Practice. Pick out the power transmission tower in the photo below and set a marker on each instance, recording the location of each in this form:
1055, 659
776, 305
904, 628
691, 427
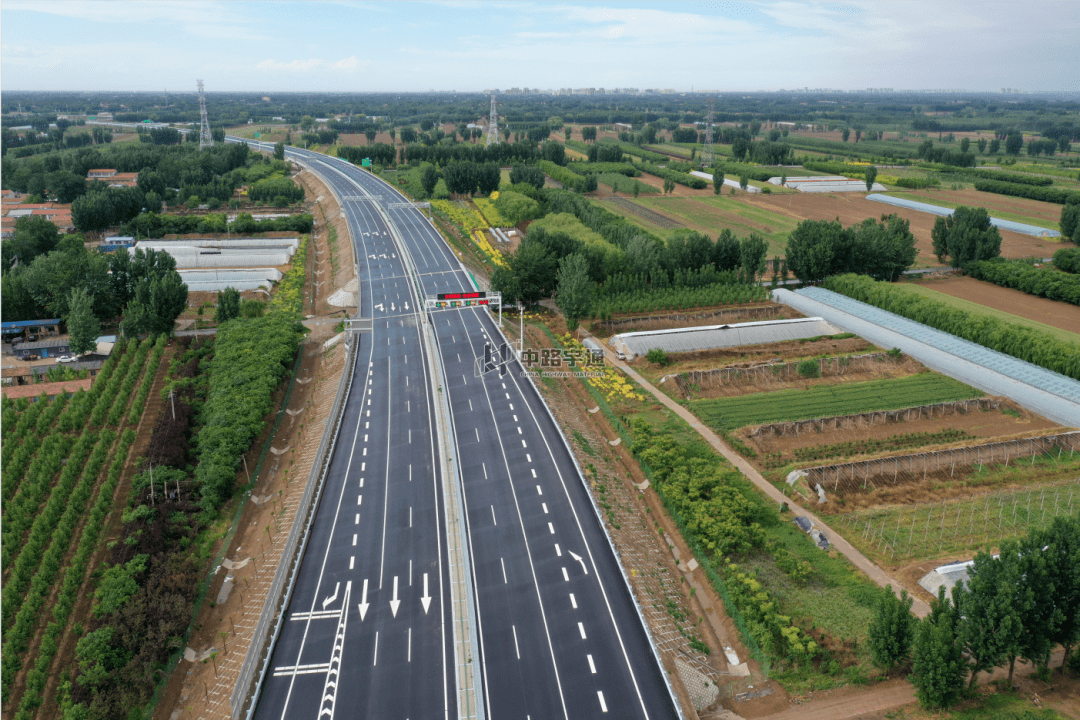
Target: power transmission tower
493, 125
205, 138
707, 157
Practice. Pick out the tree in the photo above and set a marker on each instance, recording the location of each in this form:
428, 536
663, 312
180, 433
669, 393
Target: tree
527, 174
752, 253
991, 617
306, 123
744, 181
279, 151
429, 177
892, 629
726, 251
575, 291
370, 135
995, 146
228, 306
1014, 141
938, 668
813, 249
882, 250
966, 236
717, 179
642, 255
981, 144
965, 143
1036, 597
1069, 222
588, 133
566, 132
1062, 552
846, 134
531, 274
83, 325
33, 236
871, 176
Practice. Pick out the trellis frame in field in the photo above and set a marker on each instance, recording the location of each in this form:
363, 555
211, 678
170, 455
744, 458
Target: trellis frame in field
924, 530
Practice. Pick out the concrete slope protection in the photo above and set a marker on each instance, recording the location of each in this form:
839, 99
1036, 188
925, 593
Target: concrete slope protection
559, 633
368, 631
1047, 393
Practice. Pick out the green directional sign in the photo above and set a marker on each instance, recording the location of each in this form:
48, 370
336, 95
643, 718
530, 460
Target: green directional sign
366, 162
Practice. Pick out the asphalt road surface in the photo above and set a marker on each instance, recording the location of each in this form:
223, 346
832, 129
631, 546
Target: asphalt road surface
559, 634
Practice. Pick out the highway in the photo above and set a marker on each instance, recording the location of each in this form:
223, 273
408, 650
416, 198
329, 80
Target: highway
558, 631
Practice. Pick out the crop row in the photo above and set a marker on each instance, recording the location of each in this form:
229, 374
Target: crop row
17, 424
691, 181
1034, 346
148, 381
569, 179
490, 213
868, 445
1018, 275
116, 413
677, 299
463, 217
70, 589
26, 557
1046, 194
829, 400
41, 459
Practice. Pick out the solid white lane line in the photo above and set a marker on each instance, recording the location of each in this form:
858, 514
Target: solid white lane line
573, 601
516, 648
592, 665
503, 564
581, 629
603, 705
493, 515
386, 481
544, 505
565, 575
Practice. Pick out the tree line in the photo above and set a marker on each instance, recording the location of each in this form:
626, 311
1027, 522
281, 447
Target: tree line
1018, 604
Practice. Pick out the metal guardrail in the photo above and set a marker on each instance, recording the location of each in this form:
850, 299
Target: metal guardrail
249, 683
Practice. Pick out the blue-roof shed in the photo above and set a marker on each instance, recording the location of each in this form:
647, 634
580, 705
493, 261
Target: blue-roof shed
16, 327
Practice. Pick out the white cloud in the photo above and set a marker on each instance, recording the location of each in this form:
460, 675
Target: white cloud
346, 64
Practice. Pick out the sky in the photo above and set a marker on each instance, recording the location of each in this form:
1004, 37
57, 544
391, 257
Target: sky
347, 46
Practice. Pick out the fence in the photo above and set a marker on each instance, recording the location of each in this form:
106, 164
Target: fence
958, 524
761, 311
779, 372
843, 422
855, 476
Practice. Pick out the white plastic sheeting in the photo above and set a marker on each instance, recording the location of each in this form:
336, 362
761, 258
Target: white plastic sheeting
288, 245
227, 259
711, 337
1047, 393
826, 183
1019, 227
218, 280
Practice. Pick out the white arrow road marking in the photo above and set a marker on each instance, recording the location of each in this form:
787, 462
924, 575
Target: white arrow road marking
394, 603
364, 604
393, 307
331, 598
406, 306
329, 696
380, 307
578, 558
426, 599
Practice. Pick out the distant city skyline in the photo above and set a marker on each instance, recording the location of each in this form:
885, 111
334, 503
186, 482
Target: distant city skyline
345, 46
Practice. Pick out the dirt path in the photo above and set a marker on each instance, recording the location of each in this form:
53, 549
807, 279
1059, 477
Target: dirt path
875, 573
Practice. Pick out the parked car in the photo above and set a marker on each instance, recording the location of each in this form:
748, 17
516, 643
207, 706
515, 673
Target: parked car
67, 358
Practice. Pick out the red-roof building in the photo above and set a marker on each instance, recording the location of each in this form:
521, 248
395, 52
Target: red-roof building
51, 389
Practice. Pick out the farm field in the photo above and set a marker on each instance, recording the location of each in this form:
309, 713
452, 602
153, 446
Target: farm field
830, 400
1033, 212
853, 208
976, 296
710, 214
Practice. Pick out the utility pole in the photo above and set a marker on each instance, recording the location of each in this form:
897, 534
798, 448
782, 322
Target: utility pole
707, 154
205, 138
493, 125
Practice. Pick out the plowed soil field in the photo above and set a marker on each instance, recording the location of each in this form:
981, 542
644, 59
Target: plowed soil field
1049, 312
853, 208
994, 203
